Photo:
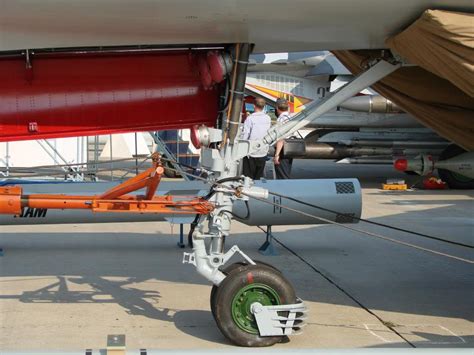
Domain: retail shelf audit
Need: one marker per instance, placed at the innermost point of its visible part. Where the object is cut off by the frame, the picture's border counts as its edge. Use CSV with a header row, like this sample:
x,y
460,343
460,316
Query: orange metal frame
x,y
116,199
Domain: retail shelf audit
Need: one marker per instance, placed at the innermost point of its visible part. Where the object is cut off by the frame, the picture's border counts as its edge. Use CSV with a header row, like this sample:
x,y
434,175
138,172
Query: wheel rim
x,y
242,301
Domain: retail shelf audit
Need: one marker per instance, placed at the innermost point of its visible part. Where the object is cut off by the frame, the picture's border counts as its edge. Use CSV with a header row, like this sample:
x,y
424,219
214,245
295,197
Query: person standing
x,y
255,127
282,165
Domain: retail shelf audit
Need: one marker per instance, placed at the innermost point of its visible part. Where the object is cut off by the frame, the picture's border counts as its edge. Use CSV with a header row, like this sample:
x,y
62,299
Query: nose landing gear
x,y
251,289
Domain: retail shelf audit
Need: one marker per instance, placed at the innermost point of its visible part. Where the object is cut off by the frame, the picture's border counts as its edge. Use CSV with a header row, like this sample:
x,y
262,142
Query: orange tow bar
x,y
116,199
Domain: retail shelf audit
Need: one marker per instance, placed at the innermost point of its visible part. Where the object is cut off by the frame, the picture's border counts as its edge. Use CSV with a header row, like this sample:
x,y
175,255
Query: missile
x,y
462,164
352,119
340,195
299,148
371,104
366,160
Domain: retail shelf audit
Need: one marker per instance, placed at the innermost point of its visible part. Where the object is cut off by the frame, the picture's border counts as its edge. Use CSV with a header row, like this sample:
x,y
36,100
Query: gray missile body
x,y
299,148
371,103
341,195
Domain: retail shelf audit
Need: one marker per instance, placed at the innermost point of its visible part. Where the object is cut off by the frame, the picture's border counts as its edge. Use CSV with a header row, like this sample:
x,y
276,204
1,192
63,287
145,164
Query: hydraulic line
x,y
231,96
238,91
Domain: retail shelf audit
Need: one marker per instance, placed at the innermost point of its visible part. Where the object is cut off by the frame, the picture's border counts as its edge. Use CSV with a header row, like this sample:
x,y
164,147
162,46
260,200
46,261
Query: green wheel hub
x,y
242,301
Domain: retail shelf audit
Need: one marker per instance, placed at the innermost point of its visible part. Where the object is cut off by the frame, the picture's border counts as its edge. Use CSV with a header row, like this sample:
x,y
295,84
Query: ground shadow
x,y
134,301
199,324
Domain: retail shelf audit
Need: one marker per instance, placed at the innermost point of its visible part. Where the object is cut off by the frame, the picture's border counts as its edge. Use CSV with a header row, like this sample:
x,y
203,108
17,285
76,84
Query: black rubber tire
x,y
263,263
448,176
229,269
231,285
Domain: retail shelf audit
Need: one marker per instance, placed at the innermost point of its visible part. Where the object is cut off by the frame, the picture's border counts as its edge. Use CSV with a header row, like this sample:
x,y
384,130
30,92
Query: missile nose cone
x,y
401,164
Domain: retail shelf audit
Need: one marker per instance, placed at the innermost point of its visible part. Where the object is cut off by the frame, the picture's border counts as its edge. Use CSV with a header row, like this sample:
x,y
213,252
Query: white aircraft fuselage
x,y
275,26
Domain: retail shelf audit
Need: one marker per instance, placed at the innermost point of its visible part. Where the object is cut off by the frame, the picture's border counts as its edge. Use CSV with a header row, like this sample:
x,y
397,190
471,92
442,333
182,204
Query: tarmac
x,y
66,287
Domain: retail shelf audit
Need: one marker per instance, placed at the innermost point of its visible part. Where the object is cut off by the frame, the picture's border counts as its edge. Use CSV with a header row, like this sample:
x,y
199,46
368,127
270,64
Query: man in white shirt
x,y
255,127
282,165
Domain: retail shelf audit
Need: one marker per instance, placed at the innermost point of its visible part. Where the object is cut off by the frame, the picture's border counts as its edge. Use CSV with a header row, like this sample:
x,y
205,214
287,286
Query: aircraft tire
x,y
227,271
454,180
252,283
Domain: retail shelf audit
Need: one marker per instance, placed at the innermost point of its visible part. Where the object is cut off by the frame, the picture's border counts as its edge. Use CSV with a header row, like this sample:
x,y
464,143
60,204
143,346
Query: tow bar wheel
x,y
234,297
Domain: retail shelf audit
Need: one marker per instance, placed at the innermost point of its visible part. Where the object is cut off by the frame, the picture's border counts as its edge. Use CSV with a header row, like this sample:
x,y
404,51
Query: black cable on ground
x,y
372,222
332,282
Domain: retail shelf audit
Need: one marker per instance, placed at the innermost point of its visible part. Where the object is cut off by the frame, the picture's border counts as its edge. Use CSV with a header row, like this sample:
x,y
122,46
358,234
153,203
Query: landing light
x,y
203,136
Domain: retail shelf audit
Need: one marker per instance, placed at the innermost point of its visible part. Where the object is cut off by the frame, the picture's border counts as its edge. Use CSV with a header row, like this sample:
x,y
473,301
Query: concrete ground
x,y
66,287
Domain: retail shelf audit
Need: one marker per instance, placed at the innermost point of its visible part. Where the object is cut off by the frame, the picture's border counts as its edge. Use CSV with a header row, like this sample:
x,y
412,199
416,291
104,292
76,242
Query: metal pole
x,y
136,154
56,154
96,154
177,145
111,160
7,159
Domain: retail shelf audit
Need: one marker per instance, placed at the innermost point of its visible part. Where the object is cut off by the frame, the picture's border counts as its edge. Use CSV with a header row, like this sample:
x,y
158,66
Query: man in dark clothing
x,y
282,165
